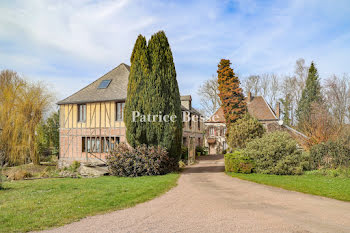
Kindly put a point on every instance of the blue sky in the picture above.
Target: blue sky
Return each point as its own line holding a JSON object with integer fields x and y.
{"x": 68, "y": 44}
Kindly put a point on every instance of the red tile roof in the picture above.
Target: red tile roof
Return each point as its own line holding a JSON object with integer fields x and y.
{"x": 217, "y": 117}
{"x": 257, "y": 107}
{"x": 260, "y": 109}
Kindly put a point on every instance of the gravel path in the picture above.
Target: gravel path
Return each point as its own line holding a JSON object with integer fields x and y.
{"x": 207, "y": 200}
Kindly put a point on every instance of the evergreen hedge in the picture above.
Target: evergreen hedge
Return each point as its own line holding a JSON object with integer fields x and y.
{"x": 277, "y": 153}
{"x": 238, "y": 163}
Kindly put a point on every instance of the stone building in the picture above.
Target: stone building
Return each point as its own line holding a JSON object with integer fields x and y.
{"x": 215, "y": 139}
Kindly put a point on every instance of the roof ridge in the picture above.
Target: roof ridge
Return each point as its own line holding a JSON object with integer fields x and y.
{"x": 268, "y": 105}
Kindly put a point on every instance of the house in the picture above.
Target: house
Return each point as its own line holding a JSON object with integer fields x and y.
{"x": 215, "y": 139}
{"x": 193, "y": 127}
{"x": 91, "y": 120}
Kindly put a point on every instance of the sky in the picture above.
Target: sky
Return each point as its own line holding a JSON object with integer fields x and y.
{"x": 69, "y": 44}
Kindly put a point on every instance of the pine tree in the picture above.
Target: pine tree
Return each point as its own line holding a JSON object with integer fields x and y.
{"x": 163, "y": 96}
{"x": 139, "y": 72}
{"x": 231, "y": 94}
{"x": 311, "y": 94}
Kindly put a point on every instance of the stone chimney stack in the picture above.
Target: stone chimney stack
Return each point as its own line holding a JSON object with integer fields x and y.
{"x": 278, "y": 110}
{"x": 249, "y": 97}
{"x": 186, "y": 101}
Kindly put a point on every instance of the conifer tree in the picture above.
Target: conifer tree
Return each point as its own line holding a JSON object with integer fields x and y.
{"x": 231, "y": 94}
{"x": 286, "y": 102}
{"x": 163, "y": 96}
{"x": 311, "y": 94}
{"x": 139, "y": 72}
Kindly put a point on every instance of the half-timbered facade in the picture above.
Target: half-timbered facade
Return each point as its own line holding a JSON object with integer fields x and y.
{"x": 92, "y": 119}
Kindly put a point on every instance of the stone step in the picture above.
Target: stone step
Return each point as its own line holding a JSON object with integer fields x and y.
{"x": 88, "y": 170}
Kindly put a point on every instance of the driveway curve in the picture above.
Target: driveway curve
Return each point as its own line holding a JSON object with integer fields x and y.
{"x": 207, "y": 200}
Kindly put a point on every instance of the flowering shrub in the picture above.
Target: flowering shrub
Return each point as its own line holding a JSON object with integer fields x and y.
{"x": 140, "y": 161}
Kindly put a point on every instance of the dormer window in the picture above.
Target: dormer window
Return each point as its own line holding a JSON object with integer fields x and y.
{"x": 104, "y": 84}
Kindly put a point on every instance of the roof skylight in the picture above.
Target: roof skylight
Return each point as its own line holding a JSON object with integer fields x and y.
{"x": 104, "y": 84}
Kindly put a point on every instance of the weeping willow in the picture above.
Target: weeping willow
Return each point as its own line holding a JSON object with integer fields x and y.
{"x": 22, "y": 107}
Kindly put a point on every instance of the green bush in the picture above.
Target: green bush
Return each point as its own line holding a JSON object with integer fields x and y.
{"x": 200, "y": 150}
{"x": 141, "y": 161}
{"x": 184, "y": 152}
{"x": 75, "y": 165}
{"x": 243, "y": 131}
{"x": 332, "y": 154}
{"x": 339, "y": 172}
{"x": 205, "y": 150}
{"x": 277, "y": 153}
{"x": 238, "y": 163}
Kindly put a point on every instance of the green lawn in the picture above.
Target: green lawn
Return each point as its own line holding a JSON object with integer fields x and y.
{"x": 332, "y": 187}
{"x": 39, "y": 204}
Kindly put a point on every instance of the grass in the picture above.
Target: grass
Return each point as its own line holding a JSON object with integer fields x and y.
{"x": 40, "y": 204}
{"x": 327, "y": 186}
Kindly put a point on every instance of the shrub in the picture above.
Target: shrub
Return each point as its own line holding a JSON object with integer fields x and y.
{"x": 338, "y": 172}
{"x": 75, "y": 165}
{"x": 244, "y": 130}
{"x": 184, "y": 153}
{"x": 320, "y": 126}
{"x": 182, "y": 164}
{"x": 237, "y": 162}
{"x": 332, "y": 154}
{"x": 277, "y": 153}
{"x": 141, "y": 161}
{"x": 206, "y": 150}
{"x": 19, "y": 175}
{"x": 200, "y": 150}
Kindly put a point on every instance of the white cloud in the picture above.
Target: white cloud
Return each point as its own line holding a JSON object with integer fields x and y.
{"x": 71, "y": 41}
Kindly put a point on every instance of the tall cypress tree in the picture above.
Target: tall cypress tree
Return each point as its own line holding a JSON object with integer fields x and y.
{"x": 311, "y": 94}
{"x": 139, "y": 72}
{"x": 163, "y": 96}
{"x": 231, "y": 94}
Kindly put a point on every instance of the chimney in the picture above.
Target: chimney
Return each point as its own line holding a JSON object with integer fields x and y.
{"x": 249, "y": 97}
{"x": 278, "y": 110}
{"x": 186, "y": 101}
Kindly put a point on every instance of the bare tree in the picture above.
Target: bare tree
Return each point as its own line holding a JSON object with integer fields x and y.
{"x": 252, "y": 84}
{"x": 301, "y": 72}
{"x": 289, "y": 88}
{"x": 321, "y": 127}
{"x": 209, "y": 96}
{"x": 264, "y": 84}
{"x": 337, "y": 93}
{"x": 273, "y": 90}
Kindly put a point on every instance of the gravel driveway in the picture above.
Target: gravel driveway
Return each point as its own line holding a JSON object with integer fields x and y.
{"x": 207, "y": 200}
